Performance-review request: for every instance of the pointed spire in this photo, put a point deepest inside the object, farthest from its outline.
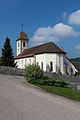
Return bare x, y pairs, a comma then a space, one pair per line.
22, 27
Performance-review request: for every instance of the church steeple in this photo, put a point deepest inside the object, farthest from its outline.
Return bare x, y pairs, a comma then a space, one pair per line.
22, 41
22, 27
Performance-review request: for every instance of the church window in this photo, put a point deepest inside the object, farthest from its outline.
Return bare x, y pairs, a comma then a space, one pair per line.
71, 70
42, 65
29, 61
37, 63
51, 66
18, 44
18, 62
22, 63
25, 61
23, 44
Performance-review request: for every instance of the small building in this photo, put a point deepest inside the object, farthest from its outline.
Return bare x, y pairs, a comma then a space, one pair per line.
48, 56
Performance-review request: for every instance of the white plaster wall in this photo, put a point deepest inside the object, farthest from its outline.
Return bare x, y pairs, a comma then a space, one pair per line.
70, 64
51, 57
57, 60
46, 59
21, 63
41, 58
18, 48
62, 63
21, 48
60, 59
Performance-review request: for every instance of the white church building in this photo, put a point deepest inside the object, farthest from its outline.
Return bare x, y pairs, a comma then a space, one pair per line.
48, 56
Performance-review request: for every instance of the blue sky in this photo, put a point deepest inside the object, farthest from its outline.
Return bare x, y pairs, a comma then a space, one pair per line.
44, 21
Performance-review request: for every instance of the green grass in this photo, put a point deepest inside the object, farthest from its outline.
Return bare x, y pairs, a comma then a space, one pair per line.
65, 92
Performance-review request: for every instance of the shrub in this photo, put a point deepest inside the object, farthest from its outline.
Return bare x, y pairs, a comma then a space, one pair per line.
33, 72
50, 82
34, 75
77, 73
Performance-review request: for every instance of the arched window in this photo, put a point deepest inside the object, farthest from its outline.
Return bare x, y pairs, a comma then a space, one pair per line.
22, 63
23, 44
71, 70
51, 66
29, 61
42, 65
18, 63
25, 61
38, 63
18, 44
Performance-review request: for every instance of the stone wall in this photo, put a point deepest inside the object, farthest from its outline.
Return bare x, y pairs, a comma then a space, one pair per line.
74, 81
11, 71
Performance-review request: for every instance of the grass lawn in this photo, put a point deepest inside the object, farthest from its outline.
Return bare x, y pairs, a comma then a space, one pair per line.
65, 92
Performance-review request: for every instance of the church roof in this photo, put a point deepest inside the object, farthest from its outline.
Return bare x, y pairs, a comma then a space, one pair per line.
77, 65
44, 48
22, 36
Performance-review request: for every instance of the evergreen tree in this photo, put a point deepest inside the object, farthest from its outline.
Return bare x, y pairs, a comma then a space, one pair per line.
7, 54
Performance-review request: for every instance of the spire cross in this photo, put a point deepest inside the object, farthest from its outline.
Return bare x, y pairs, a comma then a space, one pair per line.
22, 27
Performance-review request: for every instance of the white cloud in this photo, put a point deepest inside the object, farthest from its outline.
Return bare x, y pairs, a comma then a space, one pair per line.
43, 34
78, 46
64, 14
74, 18
46, 34
63, 30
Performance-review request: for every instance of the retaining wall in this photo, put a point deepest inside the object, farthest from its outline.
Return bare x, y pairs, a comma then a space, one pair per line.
74, 81
11, 71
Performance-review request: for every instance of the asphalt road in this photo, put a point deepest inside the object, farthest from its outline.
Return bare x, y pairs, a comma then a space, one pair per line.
19, 101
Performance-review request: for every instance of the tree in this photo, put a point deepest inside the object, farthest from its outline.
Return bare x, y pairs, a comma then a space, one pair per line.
7, 54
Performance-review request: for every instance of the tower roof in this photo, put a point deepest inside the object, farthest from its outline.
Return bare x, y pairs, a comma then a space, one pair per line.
22, 36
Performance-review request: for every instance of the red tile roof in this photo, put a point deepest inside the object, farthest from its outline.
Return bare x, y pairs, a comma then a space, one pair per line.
77, 65
44, 48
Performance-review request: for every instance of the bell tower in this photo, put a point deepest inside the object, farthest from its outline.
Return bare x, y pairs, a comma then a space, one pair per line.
22, 41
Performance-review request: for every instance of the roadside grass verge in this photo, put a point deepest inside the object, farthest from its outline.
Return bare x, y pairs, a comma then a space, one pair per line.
65, 92
34, 75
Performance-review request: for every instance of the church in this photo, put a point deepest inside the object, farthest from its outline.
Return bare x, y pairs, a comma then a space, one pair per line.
48, 56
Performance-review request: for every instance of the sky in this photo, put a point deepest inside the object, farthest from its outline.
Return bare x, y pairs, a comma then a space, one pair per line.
44, 21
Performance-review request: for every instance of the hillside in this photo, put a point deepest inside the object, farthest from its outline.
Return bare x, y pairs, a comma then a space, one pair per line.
75, 59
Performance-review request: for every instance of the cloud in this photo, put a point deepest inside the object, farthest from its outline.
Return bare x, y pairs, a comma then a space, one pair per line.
78, 47
64, 14
43, 34
74, 18
46, 34
63, 30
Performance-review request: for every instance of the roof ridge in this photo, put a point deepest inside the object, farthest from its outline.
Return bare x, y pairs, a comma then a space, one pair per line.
36, 47
49, 47
42, 44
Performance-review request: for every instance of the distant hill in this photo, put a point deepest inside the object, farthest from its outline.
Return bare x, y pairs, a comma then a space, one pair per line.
75, 59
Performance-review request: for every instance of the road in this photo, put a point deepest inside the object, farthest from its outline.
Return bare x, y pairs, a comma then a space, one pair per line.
19, 101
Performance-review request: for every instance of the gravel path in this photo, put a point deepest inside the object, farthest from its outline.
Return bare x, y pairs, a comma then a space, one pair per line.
19, 101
